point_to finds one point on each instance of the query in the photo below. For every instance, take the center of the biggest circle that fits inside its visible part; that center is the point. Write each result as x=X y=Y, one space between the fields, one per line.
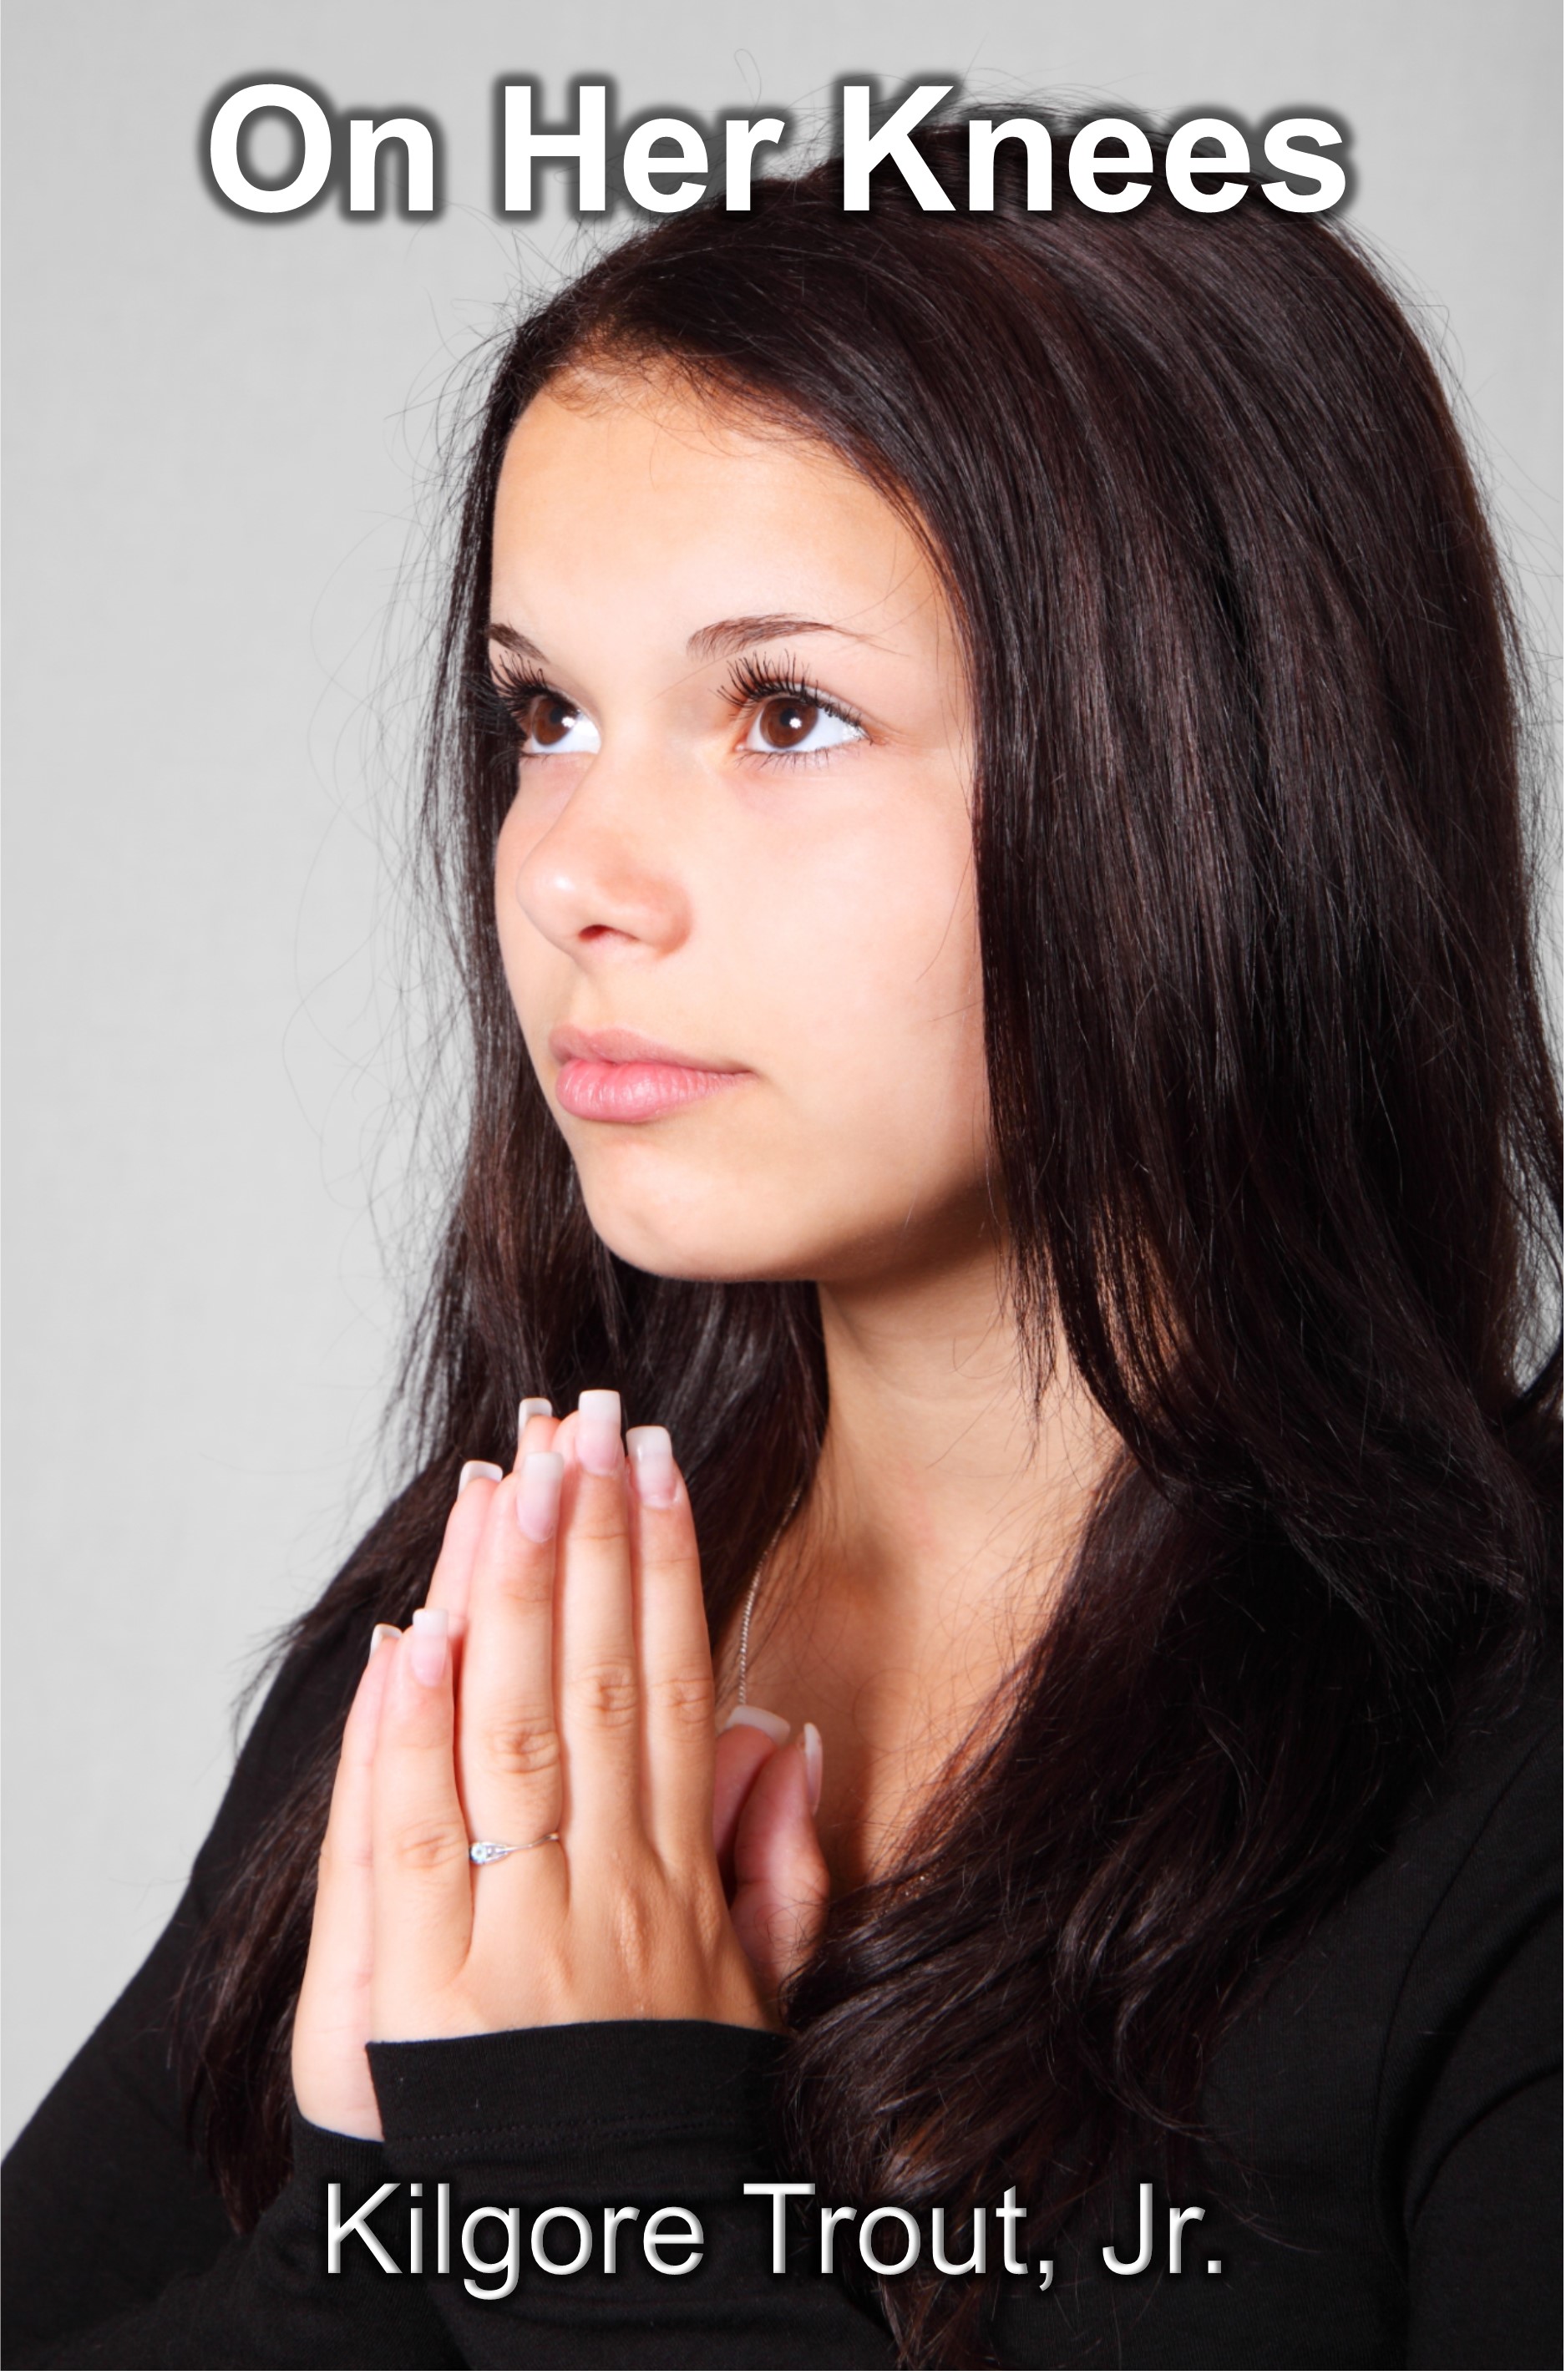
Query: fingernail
x=651 y=1451
x=379 y=1634
x=427 y=1645
x=538 y=1495
x=533 y=1409
x=748 y=1715
x=597 y=1431
x=810 y=1740
x=477 y=1471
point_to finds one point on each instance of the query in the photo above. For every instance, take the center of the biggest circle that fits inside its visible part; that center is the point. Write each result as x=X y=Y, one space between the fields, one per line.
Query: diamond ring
x=482 y=1854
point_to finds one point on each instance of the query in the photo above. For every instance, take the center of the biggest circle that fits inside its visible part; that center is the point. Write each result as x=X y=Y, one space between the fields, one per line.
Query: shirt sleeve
x=280 y=2299
x=105 y=2204
x=643 y=2116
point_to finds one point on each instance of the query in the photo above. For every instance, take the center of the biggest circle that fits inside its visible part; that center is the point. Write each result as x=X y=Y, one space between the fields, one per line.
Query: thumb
x=782 y=1885
x=746 y=1742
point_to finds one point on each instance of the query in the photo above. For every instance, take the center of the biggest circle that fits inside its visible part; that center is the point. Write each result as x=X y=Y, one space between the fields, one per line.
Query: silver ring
x=484 y=1855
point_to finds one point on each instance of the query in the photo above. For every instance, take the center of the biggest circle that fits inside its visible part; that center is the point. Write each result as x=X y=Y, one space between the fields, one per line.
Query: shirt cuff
x=321 y=2156
x=583 y=2105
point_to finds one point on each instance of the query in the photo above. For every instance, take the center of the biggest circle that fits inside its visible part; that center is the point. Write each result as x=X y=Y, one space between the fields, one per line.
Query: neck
x=943 y=1484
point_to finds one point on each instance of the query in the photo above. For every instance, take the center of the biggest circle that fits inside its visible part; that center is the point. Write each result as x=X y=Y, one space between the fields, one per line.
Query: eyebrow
x=500 y=633
x=711 y=643
x=755 y=628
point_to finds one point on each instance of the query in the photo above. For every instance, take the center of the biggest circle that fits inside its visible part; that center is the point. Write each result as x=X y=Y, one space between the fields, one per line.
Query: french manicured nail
x=533 y=1409
x=651 y=1451
x=538 y=1495
x=748 y=1715
x=379 y=1634
x=810 y=1743
x=477 y=1471
x=427 y=1645
x=597 y=1430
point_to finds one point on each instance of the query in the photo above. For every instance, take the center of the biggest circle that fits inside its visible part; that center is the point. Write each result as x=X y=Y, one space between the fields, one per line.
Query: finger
x=536 y=1426
x=331 y=2074
x=347 y=1849
x=597 y=1683
x=739 y=1756
x=423 y=1896
x=783 y=1887
x=674 y=1653
x=450 y=1584
x=508 y=1744
x=464 y=1528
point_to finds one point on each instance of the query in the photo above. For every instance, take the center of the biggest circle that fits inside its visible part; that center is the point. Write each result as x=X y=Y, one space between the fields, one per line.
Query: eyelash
x=750 y=683
x=509 y=692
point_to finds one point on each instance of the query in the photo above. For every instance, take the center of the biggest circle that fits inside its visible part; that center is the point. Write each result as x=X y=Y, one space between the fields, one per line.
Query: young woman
x=976 y=762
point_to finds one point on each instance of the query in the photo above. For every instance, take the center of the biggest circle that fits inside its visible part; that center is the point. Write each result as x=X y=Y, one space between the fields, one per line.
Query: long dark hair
x=1274 y=1121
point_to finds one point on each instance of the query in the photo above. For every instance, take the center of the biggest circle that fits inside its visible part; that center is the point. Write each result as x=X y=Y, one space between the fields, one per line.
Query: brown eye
x=547 y=723
x=547 y=719
x=784 y=721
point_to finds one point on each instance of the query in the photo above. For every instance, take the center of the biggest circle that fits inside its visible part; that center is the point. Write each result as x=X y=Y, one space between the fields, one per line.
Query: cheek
x=842 y=963
x=873 y=966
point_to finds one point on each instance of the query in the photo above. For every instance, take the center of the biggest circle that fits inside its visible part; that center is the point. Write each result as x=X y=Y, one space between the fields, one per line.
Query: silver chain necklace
x=742 y=1697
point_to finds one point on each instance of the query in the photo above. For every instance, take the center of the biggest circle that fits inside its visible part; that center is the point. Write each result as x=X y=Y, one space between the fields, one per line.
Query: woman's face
x=734 y=891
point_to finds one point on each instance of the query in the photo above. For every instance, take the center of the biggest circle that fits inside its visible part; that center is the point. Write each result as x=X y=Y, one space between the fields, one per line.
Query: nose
x=600 y=881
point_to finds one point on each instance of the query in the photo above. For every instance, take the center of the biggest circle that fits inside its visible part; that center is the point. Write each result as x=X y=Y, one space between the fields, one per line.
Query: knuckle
x=811 y=1878
x=519 y=1747
x=596 y=1523
x=425 y=1844
x=715 y=1931
x=607 y=1693
x=633 y=1934
x=339 y=1861
x=598 y=1509
x=684 y=1700
x=527 y=1588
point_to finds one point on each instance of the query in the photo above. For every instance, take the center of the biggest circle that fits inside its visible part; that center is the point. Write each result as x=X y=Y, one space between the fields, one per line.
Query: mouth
x=616 y=1076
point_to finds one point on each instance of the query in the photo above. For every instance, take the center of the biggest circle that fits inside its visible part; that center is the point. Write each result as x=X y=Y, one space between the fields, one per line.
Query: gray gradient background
x=215 y=429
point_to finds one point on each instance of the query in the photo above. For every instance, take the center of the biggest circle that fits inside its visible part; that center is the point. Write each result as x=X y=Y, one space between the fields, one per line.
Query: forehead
x=642 y=482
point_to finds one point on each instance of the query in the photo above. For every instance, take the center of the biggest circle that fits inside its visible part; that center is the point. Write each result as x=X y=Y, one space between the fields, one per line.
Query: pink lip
x=618 y=1076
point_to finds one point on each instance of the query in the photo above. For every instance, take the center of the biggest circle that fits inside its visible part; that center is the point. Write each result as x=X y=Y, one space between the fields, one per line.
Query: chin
x=711 y=1235
x=690 y=1255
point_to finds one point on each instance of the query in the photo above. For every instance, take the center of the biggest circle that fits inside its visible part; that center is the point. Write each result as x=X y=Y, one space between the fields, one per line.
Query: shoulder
x=1476 y=1865
x=1477 y=2017
x=1476 y=1856
x=1477 y=1862
x=1354 y=2037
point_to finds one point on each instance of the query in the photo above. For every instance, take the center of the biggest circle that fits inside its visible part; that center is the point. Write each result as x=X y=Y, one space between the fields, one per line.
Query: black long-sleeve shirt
x=1383 y=2187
